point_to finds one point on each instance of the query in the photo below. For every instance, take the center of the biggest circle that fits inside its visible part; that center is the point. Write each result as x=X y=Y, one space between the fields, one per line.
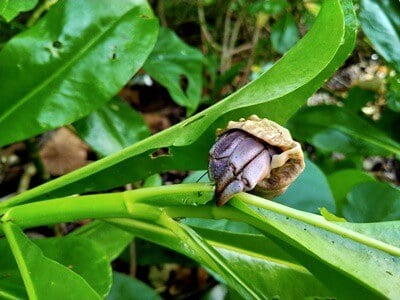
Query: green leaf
x=9 y=9
x=372 y=202
x=128 y=288
x=331 y=128
x=197 y=176
x=82 y=256
x=380 y=21
x=112 y=240
x=284 y=34
x=84 y=52
x=153 y=180
x=357 y=99
x=112 y=127
x=221 y=225
x=78 y=254
x=277 y=94
x=388 y=232
x=393 y=94
x=38 y=271
x=309 y=192
x=344 y=260
x=170 y=62
x=253 y=258
x=11 y=284
x=342 y=181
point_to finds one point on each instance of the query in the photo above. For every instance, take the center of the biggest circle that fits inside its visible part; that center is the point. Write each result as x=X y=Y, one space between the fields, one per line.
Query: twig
x=161 y=13
x=25 y=181
x=242 y=48
x=250 y=61
x=225 y=41
x=36 y=159
x=132 y=265
x=204 y=29
x=39 y=11
x=233 y=39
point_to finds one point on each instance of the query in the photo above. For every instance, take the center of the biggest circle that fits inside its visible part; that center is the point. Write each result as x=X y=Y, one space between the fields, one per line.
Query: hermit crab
x=254 y=154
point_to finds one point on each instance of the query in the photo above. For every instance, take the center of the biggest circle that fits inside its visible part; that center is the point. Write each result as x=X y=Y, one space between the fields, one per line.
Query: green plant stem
x=114 y=205
x=18 y=255
x=316 y=221
x=183 y=200
x=206 y=253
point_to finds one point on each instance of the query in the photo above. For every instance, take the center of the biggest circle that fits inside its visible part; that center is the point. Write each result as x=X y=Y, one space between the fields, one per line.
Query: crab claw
x=237 y=165
x=252 y=154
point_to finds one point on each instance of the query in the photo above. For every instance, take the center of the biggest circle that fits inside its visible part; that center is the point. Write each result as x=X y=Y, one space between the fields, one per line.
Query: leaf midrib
x=63 y=68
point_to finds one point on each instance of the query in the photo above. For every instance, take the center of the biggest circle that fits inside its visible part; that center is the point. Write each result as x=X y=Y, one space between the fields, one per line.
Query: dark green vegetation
x=334 y=233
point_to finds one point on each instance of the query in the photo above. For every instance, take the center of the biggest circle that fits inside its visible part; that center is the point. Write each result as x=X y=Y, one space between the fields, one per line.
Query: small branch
x=225 y=41
x=232 y=41
x=161 y=13
x=250 y=61
x=36 y=159
x=204 y=29
x=242 y=48
x=30 y=171
x=132 y=261
x=46 y=5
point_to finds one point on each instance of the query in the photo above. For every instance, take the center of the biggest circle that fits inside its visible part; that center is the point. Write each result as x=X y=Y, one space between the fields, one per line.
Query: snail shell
x=254 y=154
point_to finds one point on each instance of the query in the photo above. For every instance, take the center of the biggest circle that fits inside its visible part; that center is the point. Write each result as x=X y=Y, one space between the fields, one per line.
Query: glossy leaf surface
x=342 y=181
x=284 y=34
x=372 y=202
x=380 y=21
x=35 y=269
x=252 y=264
x=128 y=288
x=173 y=63
x=9 y=9
x=112 y=240
x=79 y=63
x=309 y=192
x=112 y=127
x=346 y=265
x=331 y=128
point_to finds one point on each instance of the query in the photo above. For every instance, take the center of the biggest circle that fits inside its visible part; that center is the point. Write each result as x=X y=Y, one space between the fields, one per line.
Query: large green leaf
x=128 y=288
x=309 y=192
x=277 y=94
x=9 y=9
x=170 y=62
x=82 y=256
x=351 y=264
x=380 y=21
x=250 y=257
x=111 y=239
x=112 y=127
x=331 y=128
x=372 y=202
x=78 y=254
x=35 y=270
x=70 y=63
x=284 y=33
x=342 y=181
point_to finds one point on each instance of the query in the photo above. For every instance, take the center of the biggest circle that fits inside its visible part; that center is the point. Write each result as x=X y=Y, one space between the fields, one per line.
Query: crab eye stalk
x=254 y=154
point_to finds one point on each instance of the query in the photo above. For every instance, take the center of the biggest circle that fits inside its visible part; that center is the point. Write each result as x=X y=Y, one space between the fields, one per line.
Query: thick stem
x=114 y=205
